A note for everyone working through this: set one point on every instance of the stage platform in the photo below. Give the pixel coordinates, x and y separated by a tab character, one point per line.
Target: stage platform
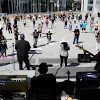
61	73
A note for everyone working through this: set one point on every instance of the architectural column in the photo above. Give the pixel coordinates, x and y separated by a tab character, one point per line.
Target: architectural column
47	5
51	1
82	5
39	5
57	5
33	6
85	6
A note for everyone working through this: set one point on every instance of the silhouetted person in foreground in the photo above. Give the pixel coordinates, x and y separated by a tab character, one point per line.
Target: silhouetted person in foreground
43	87
97	59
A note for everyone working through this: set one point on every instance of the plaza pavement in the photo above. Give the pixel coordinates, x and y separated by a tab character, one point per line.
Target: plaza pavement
50	52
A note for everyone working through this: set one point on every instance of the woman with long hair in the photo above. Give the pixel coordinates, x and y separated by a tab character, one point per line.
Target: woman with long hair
64	47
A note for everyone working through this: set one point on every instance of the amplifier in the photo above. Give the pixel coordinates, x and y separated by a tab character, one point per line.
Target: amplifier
86	80
13	86
84	58
89	94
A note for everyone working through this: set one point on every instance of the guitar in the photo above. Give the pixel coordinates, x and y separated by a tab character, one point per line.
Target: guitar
85	51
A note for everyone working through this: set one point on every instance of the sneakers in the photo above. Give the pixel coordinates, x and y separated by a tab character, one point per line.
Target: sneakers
4	56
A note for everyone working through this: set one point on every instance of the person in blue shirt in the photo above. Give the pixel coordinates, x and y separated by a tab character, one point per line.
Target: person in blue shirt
83	25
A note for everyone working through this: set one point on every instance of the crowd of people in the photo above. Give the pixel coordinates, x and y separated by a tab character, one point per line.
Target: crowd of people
44	86
47	20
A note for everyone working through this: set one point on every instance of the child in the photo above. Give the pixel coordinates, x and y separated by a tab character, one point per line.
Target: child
46	22
24	23
70	26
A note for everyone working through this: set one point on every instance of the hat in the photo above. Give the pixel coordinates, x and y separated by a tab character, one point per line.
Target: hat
22	36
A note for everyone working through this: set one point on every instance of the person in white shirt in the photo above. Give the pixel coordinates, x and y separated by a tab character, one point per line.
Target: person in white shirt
64	47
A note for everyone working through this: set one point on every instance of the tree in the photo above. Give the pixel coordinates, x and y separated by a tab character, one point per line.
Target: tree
77	5
69	4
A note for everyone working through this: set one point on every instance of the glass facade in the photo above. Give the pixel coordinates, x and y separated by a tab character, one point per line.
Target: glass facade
29	6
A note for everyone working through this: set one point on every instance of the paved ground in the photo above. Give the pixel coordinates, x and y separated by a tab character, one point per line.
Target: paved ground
50	52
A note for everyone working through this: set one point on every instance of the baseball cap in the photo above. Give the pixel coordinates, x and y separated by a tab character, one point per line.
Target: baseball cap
22	36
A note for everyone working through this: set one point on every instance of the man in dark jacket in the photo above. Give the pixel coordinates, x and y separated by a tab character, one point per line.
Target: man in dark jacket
76	35
22	48
35	37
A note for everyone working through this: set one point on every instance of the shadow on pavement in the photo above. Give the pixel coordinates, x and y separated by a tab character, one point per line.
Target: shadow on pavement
12	54
4	64
46	44
74	64
80	42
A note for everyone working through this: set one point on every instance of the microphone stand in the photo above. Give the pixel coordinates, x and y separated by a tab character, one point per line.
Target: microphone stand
13	57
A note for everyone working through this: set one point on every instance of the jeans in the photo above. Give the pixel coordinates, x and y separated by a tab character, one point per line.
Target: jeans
76	39
91	29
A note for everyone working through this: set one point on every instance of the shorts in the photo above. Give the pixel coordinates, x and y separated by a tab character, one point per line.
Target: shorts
96	29
83	28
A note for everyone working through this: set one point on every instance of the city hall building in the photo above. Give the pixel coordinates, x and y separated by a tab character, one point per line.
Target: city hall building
30	6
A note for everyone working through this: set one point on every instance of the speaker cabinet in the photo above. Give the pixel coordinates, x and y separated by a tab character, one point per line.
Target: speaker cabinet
89	94
84	58
86	80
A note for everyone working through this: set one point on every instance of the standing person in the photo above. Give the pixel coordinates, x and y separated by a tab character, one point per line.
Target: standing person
3	42
91	26
65	24
15	26
42	22
33	22
15	20
96	27
24	22
49	36
70	26
9	27
52	21
40	29
84	24
64	53
76	35
23	47
16	33
47	23
35	37
98	40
